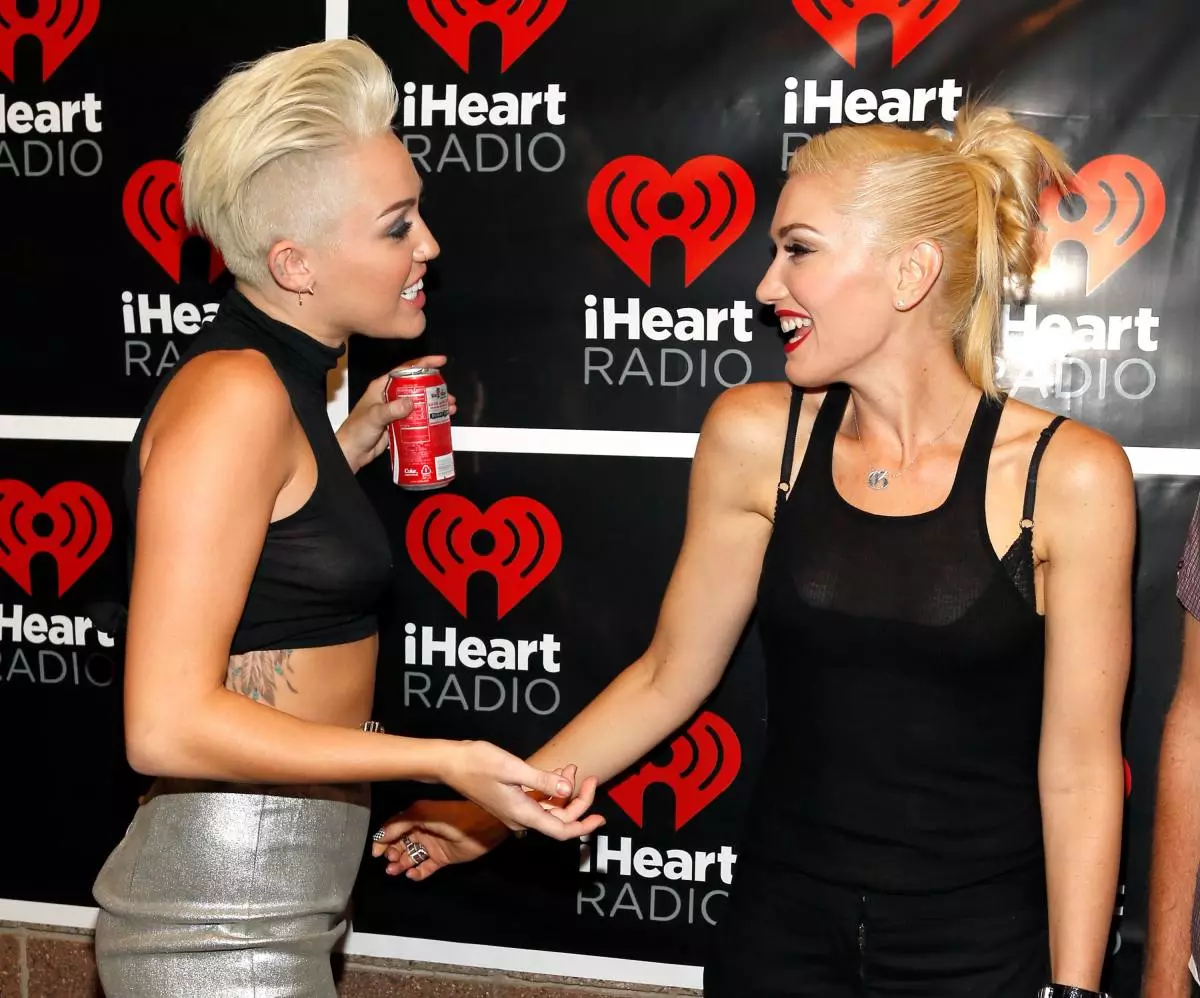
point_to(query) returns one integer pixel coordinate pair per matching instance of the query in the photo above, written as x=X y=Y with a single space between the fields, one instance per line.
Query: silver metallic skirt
x=229 y=891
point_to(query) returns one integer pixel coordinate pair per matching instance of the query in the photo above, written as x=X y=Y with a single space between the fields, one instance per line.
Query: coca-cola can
x=421 y=450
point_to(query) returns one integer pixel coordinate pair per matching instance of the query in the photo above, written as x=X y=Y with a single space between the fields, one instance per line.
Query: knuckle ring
x=416 y=852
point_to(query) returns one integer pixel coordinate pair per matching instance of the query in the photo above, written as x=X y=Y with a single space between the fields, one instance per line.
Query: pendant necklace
x=879 y=478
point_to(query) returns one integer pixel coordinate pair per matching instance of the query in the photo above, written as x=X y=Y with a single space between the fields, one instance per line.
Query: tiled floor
x=10 y=967
x=63 y=966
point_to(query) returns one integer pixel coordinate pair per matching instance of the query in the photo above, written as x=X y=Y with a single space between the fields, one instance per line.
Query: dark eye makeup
x=399 y=229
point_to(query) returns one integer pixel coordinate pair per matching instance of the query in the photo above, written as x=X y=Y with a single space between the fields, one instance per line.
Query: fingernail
x=378 y=836
x=564 y=788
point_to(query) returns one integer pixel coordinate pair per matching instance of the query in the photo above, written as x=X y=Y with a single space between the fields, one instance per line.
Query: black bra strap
x=789 y=450
x=1034 y=464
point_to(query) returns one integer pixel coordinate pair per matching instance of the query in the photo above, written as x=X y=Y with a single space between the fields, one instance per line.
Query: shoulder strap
x=1034 y=464
x=789 y=450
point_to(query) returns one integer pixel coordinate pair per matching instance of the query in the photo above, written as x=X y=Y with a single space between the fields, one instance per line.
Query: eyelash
x=398 y=232
x=796 y=249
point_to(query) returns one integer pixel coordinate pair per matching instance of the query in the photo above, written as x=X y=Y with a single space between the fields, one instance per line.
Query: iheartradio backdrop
x=601 y=177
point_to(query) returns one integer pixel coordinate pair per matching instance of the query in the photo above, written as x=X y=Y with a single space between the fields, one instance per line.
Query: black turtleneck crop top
x=323 y=568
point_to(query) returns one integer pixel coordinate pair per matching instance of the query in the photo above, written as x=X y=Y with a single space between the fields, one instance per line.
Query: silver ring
x=416 y=851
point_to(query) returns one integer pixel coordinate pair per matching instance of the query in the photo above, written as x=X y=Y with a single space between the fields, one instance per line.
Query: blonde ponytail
x=974 y=192
x=1010 y=165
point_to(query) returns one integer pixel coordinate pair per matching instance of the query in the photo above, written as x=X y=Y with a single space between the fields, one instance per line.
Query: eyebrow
x=783 y=230
x=399 y=206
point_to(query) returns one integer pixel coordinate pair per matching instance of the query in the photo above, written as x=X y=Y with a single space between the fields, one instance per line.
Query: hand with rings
x=434 y=834
x=417 y=853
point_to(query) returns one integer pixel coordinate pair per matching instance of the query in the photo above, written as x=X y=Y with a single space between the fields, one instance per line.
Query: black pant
x=784 y=933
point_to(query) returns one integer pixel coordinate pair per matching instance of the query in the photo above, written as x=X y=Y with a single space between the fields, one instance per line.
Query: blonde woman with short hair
x=943 y=583
x=259 y=562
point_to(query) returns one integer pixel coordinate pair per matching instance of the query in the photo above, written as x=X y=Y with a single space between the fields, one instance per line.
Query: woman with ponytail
x=943 y=583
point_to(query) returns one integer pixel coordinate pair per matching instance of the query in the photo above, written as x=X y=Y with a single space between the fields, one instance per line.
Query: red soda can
x=421 y=450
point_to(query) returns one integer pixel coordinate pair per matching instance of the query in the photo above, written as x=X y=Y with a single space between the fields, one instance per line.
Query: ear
x=916 y=269
x=290 y=267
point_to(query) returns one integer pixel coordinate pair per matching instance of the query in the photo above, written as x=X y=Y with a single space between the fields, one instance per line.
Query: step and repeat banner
x=601 y=176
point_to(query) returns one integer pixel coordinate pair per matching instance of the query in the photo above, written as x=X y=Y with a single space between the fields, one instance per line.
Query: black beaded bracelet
x=1063 y=991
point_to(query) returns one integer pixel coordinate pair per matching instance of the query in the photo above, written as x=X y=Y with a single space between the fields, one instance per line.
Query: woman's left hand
x=363 y=435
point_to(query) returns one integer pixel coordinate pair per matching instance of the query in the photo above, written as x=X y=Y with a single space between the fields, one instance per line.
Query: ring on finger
x=417 y=853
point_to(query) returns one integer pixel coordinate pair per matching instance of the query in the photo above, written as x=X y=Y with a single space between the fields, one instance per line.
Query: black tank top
x=322 y=569
x=904 y=670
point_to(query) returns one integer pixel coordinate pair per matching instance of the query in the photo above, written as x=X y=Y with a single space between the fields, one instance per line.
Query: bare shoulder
x=222 y=393
x=1085 y=484
x=753 y=418
x=1078 y=455
x=742 y=443
x=1080 y=461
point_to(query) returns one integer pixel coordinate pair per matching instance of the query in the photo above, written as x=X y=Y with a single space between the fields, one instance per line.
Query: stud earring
x=900 y=303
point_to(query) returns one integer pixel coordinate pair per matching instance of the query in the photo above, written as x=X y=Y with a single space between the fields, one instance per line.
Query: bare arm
x=708 y=601
x=219 y=456
x=1176 y=833
x=203 y=510
x=707 y=604
x=1087 y=523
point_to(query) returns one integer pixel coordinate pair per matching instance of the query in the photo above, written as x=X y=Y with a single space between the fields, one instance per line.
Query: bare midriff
x=329 y=685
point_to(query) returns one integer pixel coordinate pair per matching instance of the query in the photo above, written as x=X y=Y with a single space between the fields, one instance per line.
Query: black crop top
x=323 y=568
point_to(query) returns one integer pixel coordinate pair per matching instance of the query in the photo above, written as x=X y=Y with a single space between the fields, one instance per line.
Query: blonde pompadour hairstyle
x=260 y=160
x=974 y=192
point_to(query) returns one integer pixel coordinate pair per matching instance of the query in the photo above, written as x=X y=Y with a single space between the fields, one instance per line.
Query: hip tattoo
x=256 y=674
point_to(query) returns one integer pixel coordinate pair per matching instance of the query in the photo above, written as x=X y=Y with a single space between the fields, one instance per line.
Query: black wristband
x=1063 y=991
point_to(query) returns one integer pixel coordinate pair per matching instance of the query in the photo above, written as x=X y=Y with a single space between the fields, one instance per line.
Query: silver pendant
x=877 y=479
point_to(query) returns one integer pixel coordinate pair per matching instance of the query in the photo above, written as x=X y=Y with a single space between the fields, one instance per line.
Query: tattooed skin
x=256 y=674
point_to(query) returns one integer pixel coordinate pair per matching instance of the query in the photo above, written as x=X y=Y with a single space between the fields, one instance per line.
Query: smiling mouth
x=410 y=293
x=794 y=329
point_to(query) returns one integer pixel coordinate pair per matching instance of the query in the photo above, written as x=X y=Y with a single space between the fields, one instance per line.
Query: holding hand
x=432 y=834
x=363 y=435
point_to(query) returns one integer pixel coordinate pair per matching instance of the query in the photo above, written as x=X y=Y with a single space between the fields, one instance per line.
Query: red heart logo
x=450 y=23
x=154 y=214
x=1124 y=205
x=837 y=21
x=80 y=530
x=528 y=543
x=624 y=205
x=705 y=760
x=60 y=27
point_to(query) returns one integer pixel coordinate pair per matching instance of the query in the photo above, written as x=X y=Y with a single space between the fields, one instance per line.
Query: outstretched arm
x=203 y=511
x=708 y=602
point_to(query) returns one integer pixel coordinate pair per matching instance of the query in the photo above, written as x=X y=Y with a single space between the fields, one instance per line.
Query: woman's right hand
x=460 y=831
x=451 y=831
x=499 y=782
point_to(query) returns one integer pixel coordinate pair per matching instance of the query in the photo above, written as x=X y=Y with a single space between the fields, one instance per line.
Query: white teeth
x=790 y=324
x=410 y=293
